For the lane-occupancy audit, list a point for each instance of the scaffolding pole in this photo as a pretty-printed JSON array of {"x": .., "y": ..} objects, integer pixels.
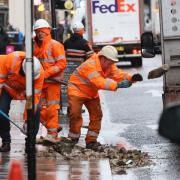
[{"x": 30, "y": 140}]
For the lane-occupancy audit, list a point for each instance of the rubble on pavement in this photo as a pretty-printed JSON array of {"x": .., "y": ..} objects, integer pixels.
[{"x": 120, "y": 159}]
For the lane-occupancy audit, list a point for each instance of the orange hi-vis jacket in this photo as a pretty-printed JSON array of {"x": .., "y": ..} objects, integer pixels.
[
  {"x": 89, "y": 77},
  {"x": 52, "y": 57},
  {"x": 13, "y": 82}
]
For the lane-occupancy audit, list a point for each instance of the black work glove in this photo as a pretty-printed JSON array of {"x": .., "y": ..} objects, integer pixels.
[
  {"x": 137, "y": 77},
  {"x": 124, "y": 84}
]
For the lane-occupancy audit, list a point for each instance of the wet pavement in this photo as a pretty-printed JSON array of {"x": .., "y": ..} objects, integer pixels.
[
  {"x": 52, "y": 165},
  {"x": 49, "y": 164}
]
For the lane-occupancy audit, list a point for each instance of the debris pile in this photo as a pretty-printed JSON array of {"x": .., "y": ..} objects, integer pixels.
[{"x": 120, "y": 159}]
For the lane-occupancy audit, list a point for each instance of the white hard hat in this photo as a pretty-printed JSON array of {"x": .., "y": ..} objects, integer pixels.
[
  {"x": 109, "y": 52},
  {"x": 37, "y": 67},
  {"x": 41, "y": 23},
  {"x": 77, "y": 26}
]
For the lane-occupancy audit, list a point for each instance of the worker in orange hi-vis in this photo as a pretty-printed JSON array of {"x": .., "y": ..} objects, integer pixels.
[
  {"x": 52, "y": 57},
  {"x": 13, "y": 87},
  {"x": 98, "y": 72}
]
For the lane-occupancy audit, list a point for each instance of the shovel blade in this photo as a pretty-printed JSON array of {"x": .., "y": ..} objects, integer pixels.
[{"x": 158, "y": 72}]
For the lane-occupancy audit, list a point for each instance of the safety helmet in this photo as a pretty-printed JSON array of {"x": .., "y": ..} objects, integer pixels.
[
  {"x": 109, "y": 52},
  {"x": 77, "y": 26},
  {"x": 41, "y": 23},
  {"x": 37, "y": 67}
]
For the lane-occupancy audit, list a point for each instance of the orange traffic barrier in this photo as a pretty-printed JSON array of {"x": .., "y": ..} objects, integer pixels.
[{"x": 15, "y": 172}]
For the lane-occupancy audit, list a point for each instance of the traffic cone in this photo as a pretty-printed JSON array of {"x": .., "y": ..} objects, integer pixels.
[{"x": 15, "y": 172}]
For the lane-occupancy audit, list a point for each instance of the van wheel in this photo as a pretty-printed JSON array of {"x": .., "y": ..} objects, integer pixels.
[{"x": 136, "y": 62}]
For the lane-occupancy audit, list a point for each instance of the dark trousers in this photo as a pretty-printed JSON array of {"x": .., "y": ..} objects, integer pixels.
[{"x": 5, "y": 101}]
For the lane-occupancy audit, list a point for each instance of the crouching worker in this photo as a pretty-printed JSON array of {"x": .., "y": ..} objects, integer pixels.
[
  {"x": 13, "y": 86},
  {"x": 98, "y": 72}
]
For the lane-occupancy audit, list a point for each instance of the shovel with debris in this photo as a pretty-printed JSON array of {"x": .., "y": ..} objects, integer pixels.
[{"x": 158, "y": 72}]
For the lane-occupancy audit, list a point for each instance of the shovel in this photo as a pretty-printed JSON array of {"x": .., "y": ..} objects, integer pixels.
[
  {"x": 158, "y": 72},
  {"x": 7, "y": 117}
]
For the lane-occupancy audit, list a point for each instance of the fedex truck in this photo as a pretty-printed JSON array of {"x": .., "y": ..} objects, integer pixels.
[{"x": 118, "y": 23}]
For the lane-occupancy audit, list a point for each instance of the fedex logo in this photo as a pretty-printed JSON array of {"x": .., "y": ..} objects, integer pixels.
[{"x": 118, "y": 6}]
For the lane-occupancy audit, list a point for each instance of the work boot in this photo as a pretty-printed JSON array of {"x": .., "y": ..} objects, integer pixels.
[
  {"x": 93, "y": 145},
  {"x": 6, "y": 147},
  {"x": 52, "y": 138},
  {"x": 74, "y": 140}
]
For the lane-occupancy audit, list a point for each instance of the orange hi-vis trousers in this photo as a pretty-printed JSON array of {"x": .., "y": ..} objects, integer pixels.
[
  {"x": 95, "y": 115},
  {"x": 50, "y": 104}
]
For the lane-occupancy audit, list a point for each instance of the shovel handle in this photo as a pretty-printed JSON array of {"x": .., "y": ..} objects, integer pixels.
[{"x": 7, "y": 117}]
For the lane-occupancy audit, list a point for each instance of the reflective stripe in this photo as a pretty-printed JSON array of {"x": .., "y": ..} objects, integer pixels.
[
  {"x": 8, "y": 86},
  {"x": 54, "y": 79},
  {"x": 108, "y": 83},
  {"x": 75, "y": 50},
  {"x": 93, "y": 74},
  {"x": 75, "y": 54},
  {"x": 52, "y": 130},
  {"x": 75, "y": 59},
  {"x": 74, "y": 135},
  {"x": 93, "y": 62},
  {"x": 52, "y": 102},
  {"x": 50, "y": 59},
  {"x": 47, "y": 60},
  {"x": 80, "y": 78},
  {"x": 89, "y": 52},
  {"x": 3, "y": 76},
  {"x": 37, "y": 91},
  {"x": 61, "y": 57},
  {"x": 92, "y": 133},
  {"x": 1, "y": 85}
]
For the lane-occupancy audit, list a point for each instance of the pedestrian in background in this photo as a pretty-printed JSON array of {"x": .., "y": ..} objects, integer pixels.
[
  {"x": 77, "y": 49},
  {"x": 52, "y": 57},
  {"x": 4, "y": 40},
  {"x": 13, "y": 87},
  {"x": 98, "y": 72}
]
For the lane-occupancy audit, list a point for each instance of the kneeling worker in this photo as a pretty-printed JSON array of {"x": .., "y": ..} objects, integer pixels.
[
  {"x": 13, "y": 87},
  {"x": 98, "y": 72}
]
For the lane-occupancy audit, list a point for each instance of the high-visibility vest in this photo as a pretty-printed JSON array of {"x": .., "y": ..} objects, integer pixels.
[
  {"x": 89, "y": 77},
  {"x": 12, "y": 81},
  {"x": 52, "y": 57}
]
